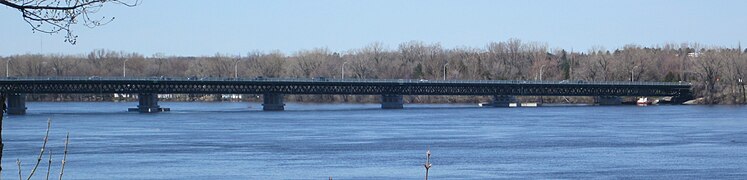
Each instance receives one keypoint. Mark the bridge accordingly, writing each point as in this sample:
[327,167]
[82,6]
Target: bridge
[273,89]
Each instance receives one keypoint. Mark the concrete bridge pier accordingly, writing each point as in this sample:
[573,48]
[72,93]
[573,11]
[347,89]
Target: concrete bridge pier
[273,102]
[608,100]
[16,104]
[148,103]
[391,101]
[505,101]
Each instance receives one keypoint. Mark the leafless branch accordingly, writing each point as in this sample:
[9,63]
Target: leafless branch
[53,16]
[18,162]
[49,164]
[64,157]
[41,153]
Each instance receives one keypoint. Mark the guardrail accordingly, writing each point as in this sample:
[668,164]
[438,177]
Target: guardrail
[347,80]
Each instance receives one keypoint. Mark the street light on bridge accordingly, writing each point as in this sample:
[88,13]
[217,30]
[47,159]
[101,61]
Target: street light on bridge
[541,68]
[236,68]
[7,68]
[342,74]
[124,67]
[445,70]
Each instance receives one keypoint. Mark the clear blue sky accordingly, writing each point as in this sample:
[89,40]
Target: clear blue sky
[193,28]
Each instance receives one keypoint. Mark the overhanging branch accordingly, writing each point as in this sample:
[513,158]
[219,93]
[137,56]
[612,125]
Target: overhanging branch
[53,16]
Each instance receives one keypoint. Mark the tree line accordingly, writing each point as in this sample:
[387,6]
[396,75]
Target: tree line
[717,73]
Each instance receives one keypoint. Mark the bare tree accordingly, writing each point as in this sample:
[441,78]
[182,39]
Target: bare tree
[368,61]
[708,68]
[159,59]
[308,63]
[426,60]
[53,16]
[598,64]
[269,65]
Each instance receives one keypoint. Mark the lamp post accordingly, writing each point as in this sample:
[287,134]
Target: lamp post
[342,74]
[7,68]
[632,73]
[445,70]
[539,98]
[236,68]
[124,68]
[541,68]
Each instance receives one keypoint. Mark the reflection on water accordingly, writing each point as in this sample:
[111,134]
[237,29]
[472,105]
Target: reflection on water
[361,141]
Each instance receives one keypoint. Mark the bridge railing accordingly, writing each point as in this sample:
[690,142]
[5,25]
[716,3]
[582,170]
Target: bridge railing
[346,80]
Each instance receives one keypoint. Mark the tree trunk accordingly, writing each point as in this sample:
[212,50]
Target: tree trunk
[2,110]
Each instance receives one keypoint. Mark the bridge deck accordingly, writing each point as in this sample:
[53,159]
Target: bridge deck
[166,85]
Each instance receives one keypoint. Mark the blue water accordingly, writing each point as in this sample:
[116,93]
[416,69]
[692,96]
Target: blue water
[361,141]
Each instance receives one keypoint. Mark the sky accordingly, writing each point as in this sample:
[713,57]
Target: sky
[204,28]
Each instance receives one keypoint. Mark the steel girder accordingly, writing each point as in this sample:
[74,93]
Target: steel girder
[321,87]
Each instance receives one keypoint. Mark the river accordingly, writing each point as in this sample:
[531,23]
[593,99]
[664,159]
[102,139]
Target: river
[360,141]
